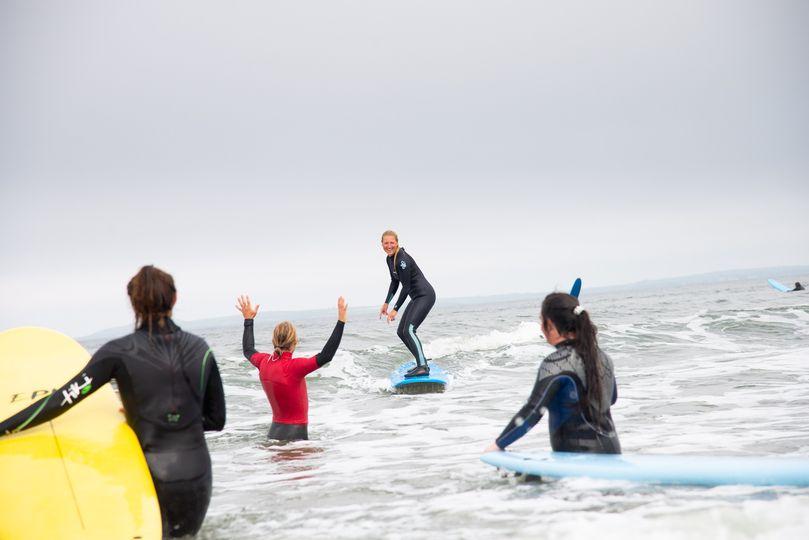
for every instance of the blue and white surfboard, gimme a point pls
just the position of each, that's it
(436, 381)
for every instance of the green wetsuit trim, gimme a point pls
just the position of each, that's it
(36, 412)
(202, 373)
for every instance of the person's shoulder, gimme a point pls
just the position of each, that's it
(193, 341)
(119, 347)
(120, 344)
(560, 354)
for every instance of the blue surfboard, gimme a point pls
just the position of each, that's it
(576, 289)
(778, 285)
(658, 469)
(436, 381)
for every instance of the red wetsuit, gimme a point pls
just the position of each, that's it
(284, 380)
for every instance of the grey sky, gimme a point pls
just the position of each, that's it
(263, 146)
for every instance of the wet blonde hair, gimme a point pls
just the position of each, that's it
(284, 337)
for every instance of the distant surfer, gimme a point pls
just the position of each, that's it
(575, 384)
(403, 269)
(798, 286)
(284, 377)
(171, 391)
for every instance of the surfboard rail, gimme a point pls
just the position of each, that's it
(658, 469)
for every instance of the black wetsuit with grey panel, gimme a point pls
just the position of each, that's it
(560, 384)
(403, 269)
(172, 392)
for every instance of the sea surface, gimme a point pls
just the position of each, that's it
(720, 369)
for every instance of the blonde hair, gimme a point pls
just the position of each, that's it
(396, 236)
(284, 337)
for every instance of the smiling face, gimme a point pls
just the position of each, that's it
(390, 244)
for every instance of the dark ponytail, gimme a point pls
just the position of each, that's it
(560, 309)
(152, 294)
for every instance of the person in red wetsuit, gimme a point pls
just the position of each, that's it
(284, 377)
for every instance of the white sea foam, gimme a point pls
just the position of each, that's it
(692, 379)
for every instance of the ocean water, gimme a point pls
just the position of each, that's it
(719, 369)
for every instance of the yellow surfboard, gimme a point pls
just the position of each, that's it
(81, 475)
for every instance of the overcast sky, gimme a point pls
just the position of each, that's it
(262, 147)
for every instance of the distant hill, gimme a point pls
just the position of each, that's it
(788, 273)
(782, 272)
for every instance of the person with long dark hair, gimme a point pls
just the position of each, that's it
(576, 385)
(171, 392)
(284, 377)
(403, 269)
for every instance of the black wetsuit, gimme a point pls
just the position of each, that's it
(798, 287)
(422, 298)
(171, 391)
(560, 382)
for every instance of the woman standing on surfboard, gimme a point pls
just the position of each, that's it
(284, 377)
(575, 384)
(171, 392)
(403, 269)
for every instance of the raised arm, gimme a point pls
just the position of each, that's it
(325, 356)
(96, 373)
(249, 312)
(305, 366)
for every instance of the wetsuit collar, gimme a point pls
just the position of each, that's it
(168, 328)
(566, 343)
(286, 355)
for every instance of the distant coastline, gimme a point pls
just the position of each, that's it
(779, 272)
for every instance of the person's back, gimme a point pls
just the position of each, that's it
(171, 392)
(168, 385)
(284, 381)
(572, 428)
(575, 385)
(798, 286)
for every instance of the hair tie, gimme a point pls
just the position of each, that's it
(578, 310)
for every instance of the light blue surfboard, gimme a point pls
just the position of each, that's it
(662, 469)
(436, 381)
(778, 285)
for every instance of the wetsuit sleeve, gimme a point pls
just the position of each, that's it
(614, 392)
(394, 284)
(248, 341)
(213, 405)
(325, 356)
(542, 394)
(404, 278)
(249, 345)
(98, 371)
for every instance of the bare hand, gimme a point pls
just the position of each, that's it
(243, 304)
(492, 448)
(392, 315)
(383, 310)
(342, 309)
